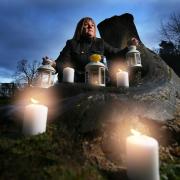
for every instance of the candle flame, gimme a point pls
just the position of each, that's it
(136, 133)
(34, 101)
(119, 70)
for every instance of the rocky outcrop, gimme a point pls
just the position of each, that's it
(160, 87)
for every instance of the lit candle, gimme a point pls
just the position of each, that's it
(68, 75)
(35, 118)
(122, 79)
(95, 83)
(142, 157)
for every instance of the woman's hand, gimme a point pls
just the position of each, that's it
(47, 60)
(133, 42)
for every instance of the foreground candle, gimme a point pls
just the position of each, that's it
(35, 119)
(142, 157)
(122, 79)
(68, 75)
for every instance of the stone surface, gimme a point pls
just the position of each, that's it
(160, 87)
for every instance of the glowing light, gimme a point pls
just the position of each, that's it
(121, 70)
(136, 133)
(122, 78)
(142, 156)
(34, 101)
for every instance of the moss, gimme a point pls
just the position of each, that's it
(169, 73)
(5, 101)
(52, 155)
(170, 171)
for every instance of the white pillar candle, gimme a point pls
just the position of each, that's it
(122, 79)
(68, 75)
(35, 119)
(142, 157)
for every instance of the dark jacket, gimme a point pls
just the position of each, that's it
(76, 54)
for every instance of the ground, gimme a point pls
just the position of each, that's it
(57, 154)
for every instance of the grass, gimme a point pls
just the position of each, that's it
(5, 101)
(51, 155)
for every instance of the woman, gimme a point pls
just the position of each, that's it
(83, 44)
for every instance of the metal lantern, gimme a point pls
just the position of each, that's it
(45, 76)
(95, 73)
(133, 57)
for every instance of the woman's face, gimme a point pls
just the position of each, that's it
(89, 29)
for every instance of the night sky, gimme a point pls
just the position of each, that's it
(31, 29)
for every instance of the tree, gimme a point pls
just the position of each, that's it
(170, 56)
(170, 31)
(7, 89)
(167, 48)
(170, 43)
(25, 71)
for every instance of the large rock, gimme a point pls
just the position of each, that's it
(160, 87)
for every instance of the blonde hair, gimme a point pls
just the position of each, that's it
(79, 28)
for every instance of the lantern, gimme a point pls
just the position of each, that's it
(95, 71)
(133, 57)
(45, 76)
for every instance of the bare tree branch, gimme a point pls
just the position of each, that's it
(25, 71)
(170, 30)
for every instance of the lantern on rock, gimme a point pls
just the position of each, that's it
(133, 57)
(95, 71)
(45, 75)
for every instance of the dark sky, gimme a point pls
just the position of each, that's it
(31, 29)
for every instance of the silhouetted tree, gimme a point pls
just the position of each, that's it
(7, 89)
(26, 71)
(170, 45)
(169, 54)
(170, 32)
(167, 48)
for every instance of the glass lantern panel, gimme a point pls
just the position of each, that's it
(45, 81)
(138, 58)
(131, 59)
(94, 77)
(86, 76)
(134, 61)
(37, 79)
(52, 77)
(102, 76)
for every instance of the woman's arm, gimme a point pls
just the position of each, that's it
(112, 52)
